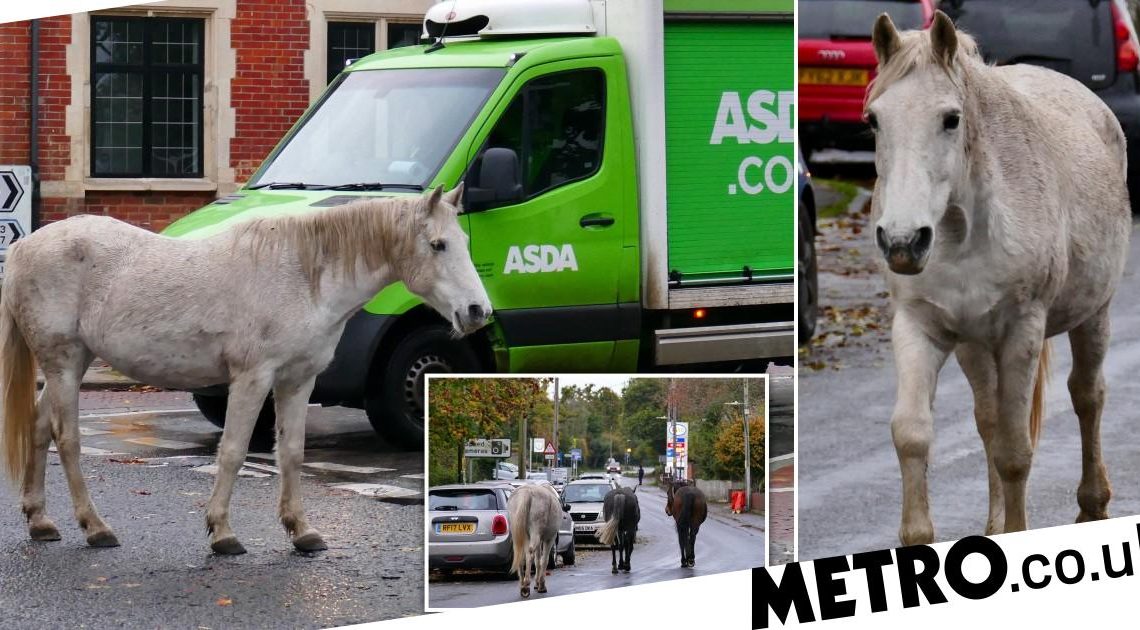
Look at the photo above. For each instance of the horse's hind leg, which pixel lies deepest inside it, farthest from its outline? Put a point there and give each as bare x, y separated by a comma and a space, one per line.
246, 397
540, 560
61, 399
980, 368
1086, 387
291, 405
32, 496
917, 361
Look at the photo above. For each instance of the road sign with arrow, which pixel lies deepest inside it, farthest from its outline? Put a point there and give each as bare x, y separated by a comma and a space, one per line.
15, 207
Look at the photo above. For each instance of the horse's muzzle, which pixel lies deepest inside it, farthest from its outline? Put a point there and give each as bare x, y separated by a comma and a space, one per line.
473, 319
905, 254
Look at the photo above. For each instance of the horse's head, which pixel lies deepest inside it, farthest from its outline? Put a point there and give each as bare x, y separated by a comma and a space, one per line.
918, 110
440, 270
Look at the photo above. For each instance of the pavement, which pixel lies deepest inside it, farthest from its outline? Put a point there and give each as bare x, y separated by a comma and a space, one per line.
101, 376
849, 482
781, 508
723, 544
147, 458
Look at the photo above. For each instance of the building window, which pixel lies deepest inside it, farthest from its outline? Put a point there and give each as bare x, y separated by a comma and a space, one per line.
146, 97
402, 34
347, 41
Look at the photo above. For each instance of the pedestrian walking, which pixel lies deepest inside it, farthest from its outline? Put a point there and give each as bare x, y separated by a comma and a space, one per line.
640, 474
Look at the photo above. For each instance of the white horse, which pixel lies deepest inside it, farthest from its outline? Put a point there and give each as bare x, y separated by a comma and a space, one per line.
1003, 218
259, 307
535, 513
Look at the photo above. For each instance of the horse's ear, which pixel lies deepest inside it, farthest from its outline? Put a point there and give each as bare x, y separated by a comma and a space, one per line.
454, 195
943, 38
431, 198
885, 38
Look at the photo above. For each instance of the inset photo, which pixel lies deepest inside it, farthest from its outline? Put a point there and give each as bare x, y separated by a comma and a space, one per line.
550, 485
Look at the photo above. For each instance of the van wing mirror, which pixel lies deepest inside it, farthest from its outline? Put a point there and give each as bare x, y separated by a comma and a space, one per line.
497, 182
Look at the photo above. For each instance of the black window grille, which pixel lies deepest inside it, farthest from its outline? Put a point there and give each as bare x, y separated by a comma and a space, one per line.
346, 41
146, 97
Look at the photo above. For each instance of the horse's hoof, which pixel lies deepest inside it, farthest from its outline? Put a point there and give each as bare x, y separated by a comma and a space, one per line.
228, 547
524, 592
614, 570
540, 589
310, 542
44, 533
105, 538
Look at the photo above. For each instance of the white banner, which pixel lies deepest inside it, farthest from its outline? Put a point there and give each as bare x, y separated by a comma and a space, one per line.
1074, 574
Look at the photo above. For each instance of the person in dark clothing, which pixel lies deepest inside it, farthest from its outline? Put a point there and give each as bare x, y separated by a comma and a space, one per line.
640, 474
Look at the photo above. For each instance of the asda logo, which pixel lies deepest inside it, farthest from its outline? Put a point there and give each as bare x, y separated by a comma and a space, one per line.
764, 117
540, 259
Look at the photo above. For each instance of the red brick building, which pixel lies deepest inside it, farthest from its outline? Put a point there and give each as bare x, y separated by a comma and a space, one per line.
148, 112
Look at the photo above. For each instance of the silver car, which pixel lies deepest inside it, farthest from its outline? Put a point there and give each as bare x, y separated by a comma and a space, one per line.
468, 526
585, 497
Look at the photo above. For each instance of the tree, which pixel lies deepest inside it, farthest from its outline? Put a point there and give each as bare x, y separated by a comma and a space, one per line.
729, 448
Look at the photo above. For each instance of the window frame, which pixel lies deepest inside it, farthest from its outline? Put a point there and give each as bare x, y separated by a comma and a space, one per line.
147, 70
368, 27
528, 120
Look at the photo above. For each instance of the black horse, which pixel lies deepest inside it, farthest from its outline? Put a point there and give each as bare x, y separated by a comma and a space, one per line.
688, 507
621, 513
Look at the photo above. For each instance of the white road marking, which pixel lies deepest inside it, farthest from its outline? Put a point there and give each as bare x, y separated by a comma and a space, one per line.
780, 458
90, 431
363, 470
212, 469
781, 489
155, 412
379, 491
415, 476
161, 443
88, 450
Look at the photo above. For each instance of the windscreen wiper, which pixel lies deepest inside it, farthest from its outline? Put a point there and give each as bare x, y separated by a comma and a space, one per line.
373, 186
286, 186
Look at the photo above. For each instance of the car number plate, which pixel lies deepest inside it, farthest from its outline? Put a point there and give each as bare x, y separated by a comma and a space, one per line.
833, 76
457, 528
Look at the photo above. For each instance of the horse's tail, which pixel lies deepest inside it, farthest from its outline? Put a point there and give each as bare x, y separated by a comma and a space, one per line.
1037, 412
18, 385
686, 515
608, 533
520, 515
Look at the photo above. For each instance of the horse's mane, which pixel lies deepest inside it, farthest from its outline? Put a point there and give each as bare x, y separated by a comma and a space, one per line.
372, 230
915, 52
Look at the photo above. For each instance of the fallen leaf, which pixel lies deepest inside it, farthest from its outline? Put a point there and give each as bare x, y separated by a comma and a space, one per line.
225, 601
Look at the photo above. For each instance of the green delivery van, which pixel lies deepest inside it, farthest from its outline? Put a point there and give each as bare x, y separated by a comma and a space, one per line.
629, 190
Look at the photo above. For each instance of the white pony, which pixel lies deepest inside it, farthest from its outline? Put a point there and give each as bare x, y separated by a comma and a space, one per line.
535, 512
1003, 218
259, 307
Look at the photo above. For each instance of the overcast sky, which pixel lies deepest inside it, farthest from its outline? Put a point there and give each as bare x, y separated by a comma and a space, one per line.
615, 382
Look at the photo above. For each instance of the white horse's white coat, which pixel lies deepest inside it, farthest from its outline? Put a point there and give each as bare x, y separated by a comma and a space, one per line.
535, 512
1003, 216
259, 307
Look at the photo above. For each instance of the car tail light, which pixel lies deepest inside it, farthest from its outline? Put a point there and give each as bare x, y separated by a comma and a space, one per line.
1127, 55
498, 525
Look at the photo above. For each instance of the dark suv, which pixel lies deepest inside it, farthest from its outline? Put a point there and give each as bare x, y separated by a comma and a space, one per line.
1093, 41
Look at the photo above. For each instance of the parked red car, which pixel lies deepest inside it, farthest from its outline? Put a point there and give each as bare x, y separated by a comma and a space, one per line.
837, 62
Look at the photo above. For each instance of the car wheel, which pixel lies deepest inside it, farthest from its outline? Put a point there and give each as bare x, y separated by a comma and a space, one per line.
395, 405
807, 278
214, 410
568, 557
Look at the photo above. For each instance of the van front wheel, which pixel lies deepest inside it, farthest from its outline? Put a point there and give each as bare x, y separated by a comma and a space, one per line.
395, 405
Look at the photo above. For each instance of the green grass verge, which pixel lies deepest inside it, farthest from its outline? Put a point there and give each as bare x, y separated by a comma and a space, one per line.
846, 191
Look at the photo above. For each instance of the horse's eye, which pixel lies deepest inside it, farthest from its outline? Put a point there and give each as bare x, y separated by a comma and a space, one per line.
873, 121
438, 246
950, 121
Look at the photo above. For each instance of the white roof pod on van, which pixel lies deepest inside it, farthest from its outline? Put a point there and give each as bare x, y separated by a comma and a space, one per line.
490, 18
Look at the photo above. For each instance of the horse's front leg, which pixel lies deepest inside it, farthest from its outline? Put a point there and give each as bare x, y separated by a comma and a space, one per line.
918, 358
980, 367
1086, 387
614, 555
627, 544
291, 406
246, 397
1018, 357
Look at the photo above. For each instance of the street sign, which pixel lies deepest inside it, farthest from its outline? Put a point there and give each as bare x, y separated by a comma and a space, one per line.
487, 448
15, 207
576, 454
538, 445
675, 437
549, 450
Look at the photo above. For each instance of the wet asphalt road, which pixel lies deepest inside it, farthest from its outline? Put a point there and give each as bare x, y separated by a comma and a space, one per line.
781, 412
850, 489
143, 473
721, 546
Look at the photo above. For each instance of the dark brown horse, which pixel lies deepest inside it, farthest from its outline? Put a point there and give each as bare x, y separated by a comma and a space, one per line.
687, 505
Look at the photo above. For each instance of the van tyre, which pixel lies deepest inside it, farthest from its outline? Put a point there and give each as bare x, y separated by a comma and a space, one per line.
568, 555
214, 409
807, 278
395, 403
